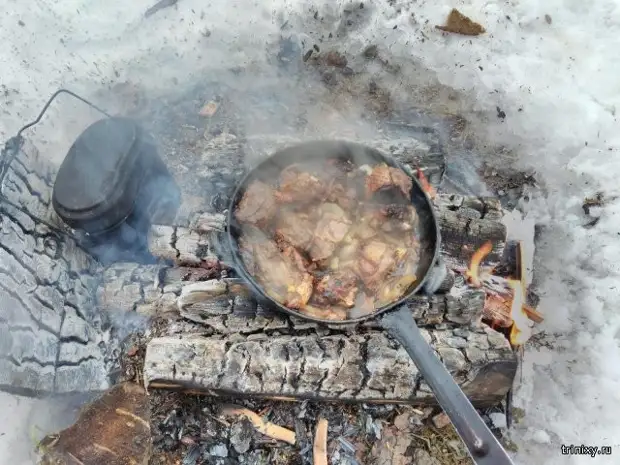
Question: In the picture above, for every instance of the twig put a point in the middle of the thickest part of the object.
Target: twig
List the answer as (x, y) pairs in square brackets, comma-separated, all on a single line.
[(319, 451), (264, 427)]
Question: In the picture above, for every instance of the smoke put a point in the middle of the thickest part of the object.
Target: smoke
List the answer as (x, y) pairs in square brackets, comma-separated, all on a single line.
[(264, 63)]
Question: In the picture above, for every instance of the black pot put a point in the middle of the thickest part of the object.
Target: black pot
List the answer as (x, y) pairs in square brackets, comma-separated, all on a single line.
[(112, 186)]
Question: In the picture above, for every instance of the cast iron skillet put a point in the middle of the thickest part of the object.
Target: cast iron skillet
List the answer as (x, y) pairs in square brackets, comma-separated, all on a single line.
[(396, 318)]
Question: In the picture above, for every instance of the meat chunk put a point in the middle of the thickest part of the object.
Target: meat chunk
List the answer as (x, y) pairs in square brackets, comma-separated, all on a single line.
[(298, 186), (400, 279), (376, 260), (258, 205), (276, 271), (296, 228), (340, 194), (339, 288), (332, 226), (383, 176)]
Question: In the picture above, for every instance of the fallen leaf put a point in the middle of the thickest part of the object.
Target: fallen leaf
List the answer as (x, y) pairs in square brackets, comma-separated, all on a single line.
[(458, 23), (319, 451), (264, 427), (208, 109)]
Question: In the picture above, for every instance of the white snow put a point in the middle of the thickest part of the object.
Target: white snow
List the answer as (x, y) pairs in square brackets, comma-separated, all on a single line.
[(557, 83)]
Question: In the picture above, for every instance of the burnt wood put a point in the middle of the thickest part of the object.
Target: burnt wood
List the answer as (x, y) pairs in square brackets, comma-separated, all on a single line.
[(49, 330), (365, 367)]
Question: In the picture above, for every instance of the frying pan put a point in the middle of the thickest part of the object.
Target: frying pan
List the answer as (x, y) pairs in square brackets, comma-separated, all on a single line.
[(396, 318)]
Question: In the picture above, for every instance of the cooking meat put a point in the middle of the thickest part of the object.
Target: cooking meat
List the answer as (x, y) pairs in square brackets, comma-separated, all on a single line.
[(331, 228), (376, 260), (340, 194), (383, 176), (277, 272), (298, 186), (334, 242), (339, 288), (292, 254), (257, 206), (400, 278), (296, 228)]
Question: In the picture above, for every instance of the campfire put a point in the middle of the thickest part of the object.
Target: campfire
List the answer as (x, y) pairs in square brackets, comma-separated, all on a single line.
[(211, 336), (505, 304)]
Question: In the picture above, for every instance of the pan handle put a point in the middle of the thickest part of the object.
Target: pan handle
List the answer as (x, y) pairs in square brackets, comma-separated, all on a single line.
[(483, 446)]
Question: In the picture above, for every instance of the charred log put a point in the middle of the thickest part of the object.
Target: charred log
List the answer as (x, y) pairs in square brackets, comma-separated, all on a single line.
[(226, 306), (49, 332), (367, 367)]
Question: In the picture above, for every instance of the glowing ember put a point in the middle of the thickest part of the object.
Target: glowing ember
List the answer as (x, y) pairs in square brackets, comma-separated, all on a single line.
[(426, 186)]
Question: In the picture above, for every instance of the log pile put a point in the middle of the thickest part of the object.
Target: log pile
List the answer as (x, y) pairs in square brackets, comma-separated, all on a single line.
[(238, 348)]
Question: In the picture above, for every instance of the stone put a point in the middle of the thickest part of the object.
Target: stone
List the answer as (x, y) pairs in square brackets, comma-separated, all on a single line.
[(219, 450), (499, 420), (441, 420), (241, 436), (402, 421)]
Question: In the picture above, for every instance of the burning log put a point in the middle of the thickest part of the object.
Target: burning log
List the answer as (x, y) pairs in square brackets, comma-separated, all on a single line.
[(225, 306), (362, 368), (506, 297), (128, 286)]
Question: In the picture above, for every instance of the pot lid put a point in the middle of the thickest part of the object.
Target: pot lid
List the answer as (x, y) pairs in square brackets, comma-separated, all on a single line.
[(95, 165)]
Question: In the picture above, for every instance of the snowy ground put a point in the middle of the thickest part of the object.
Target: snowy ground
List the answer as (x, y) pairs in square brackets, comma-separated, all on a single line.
[(551, 66)]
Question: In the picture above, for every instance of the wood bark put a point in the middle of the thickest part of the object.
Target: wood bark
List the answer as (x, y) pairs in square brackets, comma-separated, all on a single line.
[(49, 330), (365, 367)]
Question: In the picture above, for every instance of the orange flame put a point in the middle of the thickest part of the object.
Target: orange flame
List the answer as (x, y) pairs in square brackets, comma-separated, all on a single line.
[(426, 186), (505, 309), (521, 329), (473, 273)]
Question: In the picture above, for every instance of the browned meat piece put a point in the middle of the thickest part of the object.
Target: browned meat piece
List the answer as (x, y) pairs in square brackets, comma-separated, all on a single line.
[(277, 273), (331, 228), (398, 218), (339, 288), (376, 261), (257, 206), (342, 195), (291, 253), (298, 186), (383, 176), (295, 228)]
